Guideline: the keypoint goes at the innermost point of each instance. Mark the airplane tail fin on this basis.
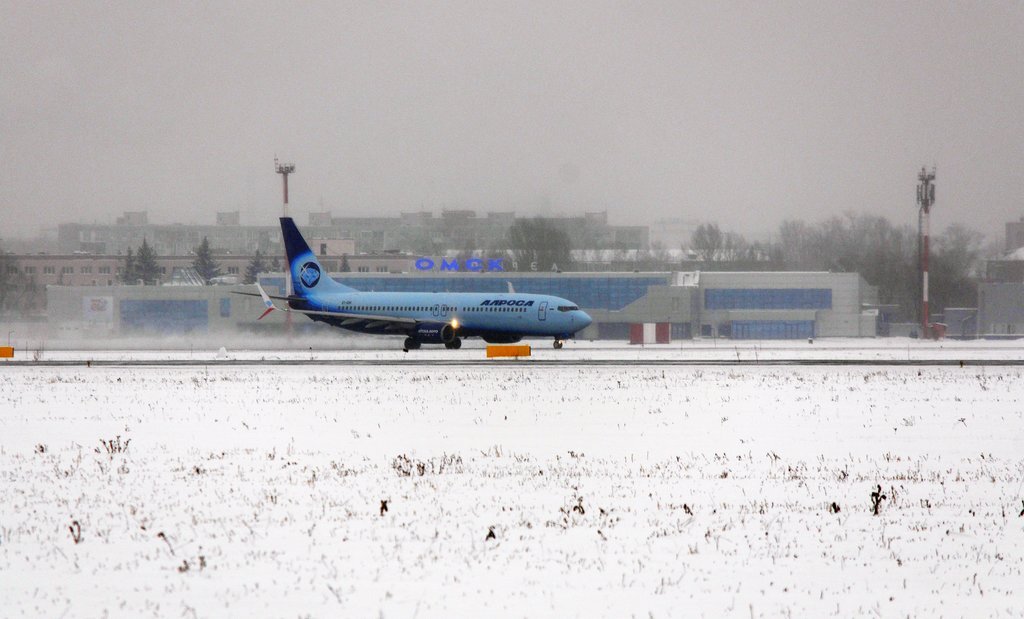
(308, 275)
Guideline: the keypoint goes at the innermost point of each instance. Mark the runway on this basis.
(506, 363)
(378, 352)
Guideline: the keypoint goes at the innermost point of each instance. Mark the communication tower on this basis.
(925, 200)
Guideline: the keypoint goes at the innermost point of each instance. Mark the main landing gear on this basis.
(558, 344)
(412, 343)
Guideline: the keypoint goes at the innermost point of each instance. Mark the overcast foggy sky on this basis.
(743, 113)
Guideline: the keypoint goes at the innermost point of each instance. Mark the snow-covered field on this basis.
(511, 490)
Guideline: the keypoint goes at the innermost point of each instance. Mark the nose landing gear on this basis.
(558, 344)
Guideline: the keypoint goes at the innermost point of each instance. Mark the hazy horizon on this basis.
(745, 113)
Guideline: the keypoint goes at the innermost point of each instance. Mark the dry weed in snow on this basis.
(577, 491)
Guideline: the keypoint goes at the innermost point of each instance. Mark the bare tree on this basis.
(886, 256)
(708, 242)
(955, 267)
(539, 244)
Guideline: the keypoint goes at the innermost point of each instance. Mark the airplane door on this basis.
(542, 311)
(436, 311)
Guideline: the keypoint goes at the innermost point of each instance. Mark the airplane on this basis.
(423, 317)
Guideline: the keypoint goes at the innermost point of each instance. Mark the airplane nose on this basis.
(584, 319)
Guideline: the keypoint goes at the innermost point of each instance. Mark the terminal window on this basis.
(771, 329)
(767, 298)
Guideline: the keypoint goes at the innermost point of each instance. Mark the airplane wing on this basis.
(271, 296)
(347, 317)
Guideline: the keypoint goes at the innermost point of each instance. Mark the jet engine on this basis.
(433, 333)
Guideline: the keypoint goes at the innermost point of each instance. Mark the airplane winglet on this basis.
(266, 301)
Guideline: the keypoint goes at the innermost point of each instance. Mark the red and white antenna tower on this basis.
(925, 200)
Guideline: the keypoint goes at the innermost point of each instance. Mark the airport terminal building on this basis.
(735, 305)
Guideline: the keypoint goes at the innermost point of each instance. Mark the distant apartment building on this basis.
(1001, 296)
(1009, 268)
(133, 218)
(229, 218)
(673, 232)
(423, 233)
(1014, 235)
(418, 232)
(93, 270)
(167, 239)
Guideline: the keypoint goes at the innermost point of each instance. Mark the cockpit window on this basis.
(568, 308)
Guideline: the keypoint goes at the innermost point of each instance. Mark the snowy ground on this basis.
(612, 491)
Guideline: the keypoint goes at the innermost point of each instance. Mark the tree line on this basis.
(141, 266)
(885, 255)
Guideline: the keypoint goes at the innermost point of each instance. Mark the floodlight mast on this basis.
(284, 169)
(925, 200)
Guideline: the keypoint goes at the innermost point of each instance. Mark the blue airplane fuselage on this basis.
(473, 314)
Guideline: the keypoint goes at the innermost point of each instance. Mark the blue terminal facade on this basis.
(767, 298)
(760, 305)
